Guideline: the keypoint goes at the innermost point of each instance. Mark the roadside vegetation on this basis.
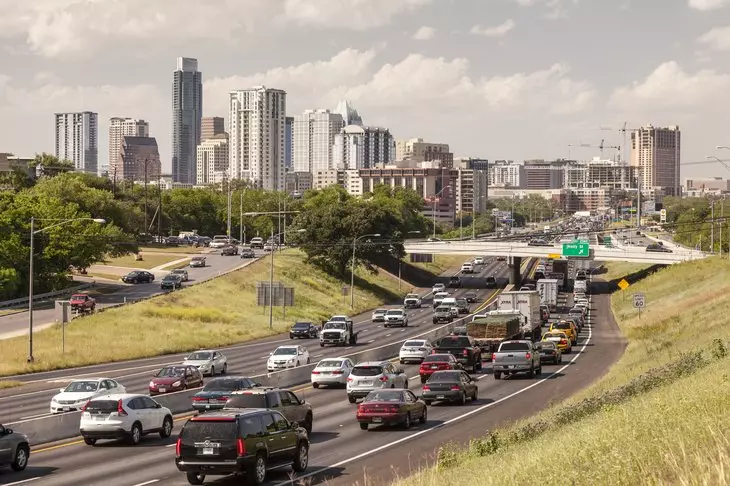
(149, 260)
(661, 415)
(441, 263)
(216, 313)
(5, 384)
(617, 270)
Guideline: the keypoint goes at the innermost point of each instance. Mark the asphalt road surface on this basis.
(341, 453)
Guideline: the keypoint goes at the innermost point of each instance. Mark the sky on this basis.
(496, 79)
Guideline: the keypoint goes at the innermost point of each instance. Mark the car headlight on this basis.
(291, 361)
(204, 366)
(176, 384)
(152, 384)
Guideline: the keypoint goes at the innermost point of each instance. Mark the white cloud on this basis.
(424, 33)
(496, 31)
(705, 5)
(717, 39)
(557, 8)
(349, 14)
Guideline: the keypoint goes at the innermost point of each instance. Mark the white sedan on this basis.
(414, 350)
(332, 372)
(285, 357)
(78, 392)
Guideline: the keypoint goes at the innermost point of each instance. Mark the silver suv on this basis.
(373, 375)
(396, 317)
(14, 449)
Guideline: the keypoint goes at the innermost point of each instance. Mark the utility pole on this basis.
(638, 194)
(271, 284)
(228, 181)
(240, 219)
(712, 228)
(722, 220)
(145, 196)
(159, 204)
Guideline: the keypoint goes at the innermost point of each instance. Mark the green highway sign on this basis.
(576, 249)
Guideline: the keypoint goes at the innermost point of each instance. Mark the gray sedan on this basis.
(451, 386)
(14, 449)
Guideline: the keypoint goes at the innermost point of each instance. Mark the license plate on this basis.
(66, 409)
(208, 451)
(97, 418)
(162, 390)
(511, 366)
(434, 367)
(439, 397)
(377, 420)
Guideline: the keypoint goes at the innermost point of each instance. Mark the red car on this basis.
(391, 407)
(175, 378)
(437, 362)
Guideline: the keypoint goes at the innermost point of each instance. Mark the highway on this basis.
(341, 453)
(17, 324)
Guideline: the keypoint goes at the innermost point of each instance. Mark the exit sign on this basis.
(576, 249)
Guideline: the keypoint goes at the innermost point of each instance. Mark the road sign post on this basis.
(577, 248)
(639, 303)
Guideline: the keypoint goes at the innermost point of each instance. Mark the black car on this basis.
(216, 393)
(283, 401)
(304, 330)
(229, 250)
(171, 282)
(455, 282)
(451, 386)
(248, 253)
(491, 282)
(538, 242)
(658, 247)
(470, 297)
(138, 276)
(248, 442)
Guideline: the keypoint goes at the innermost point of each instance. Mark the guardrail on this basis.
(26, 300)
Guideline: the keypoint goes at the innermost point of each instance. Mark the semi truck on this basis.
(559, 272)
(548, 291)
(527, 303)
(493, 328)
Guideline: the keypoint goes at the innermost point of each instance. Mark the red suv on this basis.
(437, 362)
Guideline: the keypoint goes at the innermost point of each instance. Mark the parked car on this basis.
(391, 407)
(304, 330)
(175, 378)
(75, 395)
(414, 350)
(124, 416)
(171, 282)
(14, 449)
(138, 276)
(332, 372)
(182, 273)
(284, 401)
(248, 253)
(452, 386)
(208, 362)
(197, 262)
(373, 375)
(216, 392)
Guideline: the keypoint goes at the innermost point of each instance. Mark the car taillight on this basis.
(455, 388)
(426, 388)
(392, 409)
(383, 379)
(465, 352)
(120, 409)
(178, 446)
(240, 447)
(200, 399)
(528, 356)
(223, 398)
(314, 372)
(563, 341)
(349, 378)
(83, 409)
(338, 372)
(433, 351)
(494, 356)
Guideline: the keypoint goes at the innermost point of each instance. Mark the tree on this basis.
(51, 166)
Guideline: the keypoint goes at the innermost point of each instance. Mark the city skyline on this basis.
(466, 76)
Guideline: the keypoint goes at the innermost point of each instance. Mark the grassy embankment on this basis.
(149, 260)
(4, 384)
(617, 270)
(442, 263)
(660, 416)
(214, 313)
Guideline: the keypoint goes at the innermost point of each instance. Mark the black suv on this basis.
(248, 441)
(304, 330)
(491, 282)
(283, 401)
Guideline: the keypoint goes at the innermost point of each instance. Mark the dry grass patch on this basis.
(173, 249)
(616, 270)
(108, 276)
(150, 260)
(216, 313)
(175, 266)
(441, 263)
(9, 384)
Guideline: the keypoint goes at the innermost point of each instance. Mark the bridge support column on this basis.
(515, 275)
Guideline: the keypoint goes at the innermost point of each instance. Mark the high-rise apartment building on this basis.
(506, 174)
(656, 153)
(314, 140)
(539, 174)
(257, 124)
(289, 143)
(210, 126)
(349, 114)
(212, 160)
(120, 128)
(187, 113)
(77, 140)
(359, 147)
(417, 150)
(138, 160)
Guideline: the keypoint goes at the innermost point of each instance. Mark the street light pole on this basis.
(352, 274)
(271, 283)
(433, 212)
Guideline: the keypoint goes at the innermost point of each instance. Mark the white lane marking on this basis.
(317, 355)
(371, 341)
(447, 422)
(387, 335)
(37, 416)
(151, 481)
(23, 481)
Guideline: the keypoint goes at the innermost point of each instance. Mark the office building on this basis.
(120, 128)
(187, 114)
(314, 135)
(289, 143)
(298, 182)
(349, 179)
(210, 126)
(471, 191)
(212, 160)
(257, 124)
(539, 174)
(349, 115)
(359, 147)
(138, 160)
(655, 152)
(77, 140)
(417, 150)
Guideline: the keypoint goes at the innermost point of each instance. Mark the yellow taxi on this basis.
(561, 340)
(568, 328)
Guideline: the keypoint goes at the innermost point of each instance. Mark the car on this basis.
(379, 315)
(82, 303)
(242, 442)
(285, 357)
(391, 407)
(452, 386)
(208, 362)
(171, 282)
(658, 247)
(217, 391)
(74, 396)
(256, 242)
(437, 362)
(467, 267)
(568, 328)
(539, 242)
(332, 372)
(412, 301)
(396, 317)
(285, 401)
(501, 258)
(441, 314)
(344, 319)
(14, 449)
(230, 250)
(439, 287)
(560, 339)
(304, 330)
(550, 353)
(198, 262)
(248, 253)
(372, 375)
(455, 282)
(182, 273)
(414, 350)
(471, 297)
(138, 276)
(175, 378)
(491, 282)
(269, 247)
(125, 416)
(439, 297)
(462, 306)
(479, 261)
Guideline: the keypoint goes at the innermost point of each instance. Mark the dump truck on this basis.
(527, 303)
(548, 290)
(497, 326)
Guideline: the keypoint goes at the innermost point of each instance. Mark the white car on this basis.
(208, 362)
(414, 350)
(467, 268)
(126, 416)
(332, 372)
(285, 357)
(396, 317)
(479, 261)
(78, 392)
(439, 287)
(439, 297)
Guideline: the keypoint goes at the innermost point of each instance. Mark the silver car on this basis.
(374, 375)
(180, 272)
(14, 449)
(208, 362)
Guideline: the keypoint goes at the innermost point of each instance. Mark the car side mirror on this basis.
(271, 353)
(8, 431)
(295, 425)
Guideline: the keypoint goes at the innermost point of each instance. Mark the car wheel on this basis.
(479, 363)
(315, 385)
(195, 478)
(424, 416)
(307, 360)
(531, 373)
(166, 430)
(405, 385)
(402, 361)
(497, 375)
(308, 421)
(212, 371)
(257, 474)
(539, 370)
(475, 396)
(427, 402)
(351, 399)
(321, 345)
(20, 461)
(302, 458)
(462, 398)
(363, 426)
(407, 422)
(89, 441)
(135, 435)
(225, 369)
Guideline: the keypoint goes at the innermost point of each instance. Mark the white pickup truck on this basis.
(396, 317)
(412, 301)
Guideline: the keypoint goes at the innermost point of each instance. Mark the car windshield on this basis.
(437, 358)
(82, 386)
(367, 371)
(285, 351)
(380, 311)
(301, 325)
(78, 297)
(224, 384)
(561, 325)
(394, 312)
(445, 376)
(335, 325)
(170, 277)
(330, 363)
(178, 272)
(170, 372)
(441, 310)
(394, 396)
(200, 355)
(411, 296)
(414, 344)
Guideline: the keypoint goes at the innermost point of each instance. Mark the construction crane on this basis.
(600, 147)
(622, 131)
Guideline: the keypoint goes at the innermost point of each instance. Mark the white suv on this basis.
(124, 416)
(374, 375)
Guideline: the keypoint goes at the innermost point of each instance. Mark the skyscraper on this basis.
(348, 113)
(358, 147)
(314, 138)
(211, 126)
(187, 112)
(257, 123)
(119, 128)
(77, 140)
(289, 142)
(212, 160)
(656, 154)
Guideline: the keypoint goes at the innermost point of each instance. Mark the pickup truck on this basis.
(442, 314)
(396, 317)
(338, 333)
(518, 356)
(412, 301)
(82, 303)
(464, 349)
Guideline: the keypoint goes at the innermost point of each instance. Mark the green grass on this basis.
(4, 384)
(621, 269)
(108, 276)
(150, 260)
(659, 416)
(441, 263)
(7, 312)
(216, 313)
(175, 266)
